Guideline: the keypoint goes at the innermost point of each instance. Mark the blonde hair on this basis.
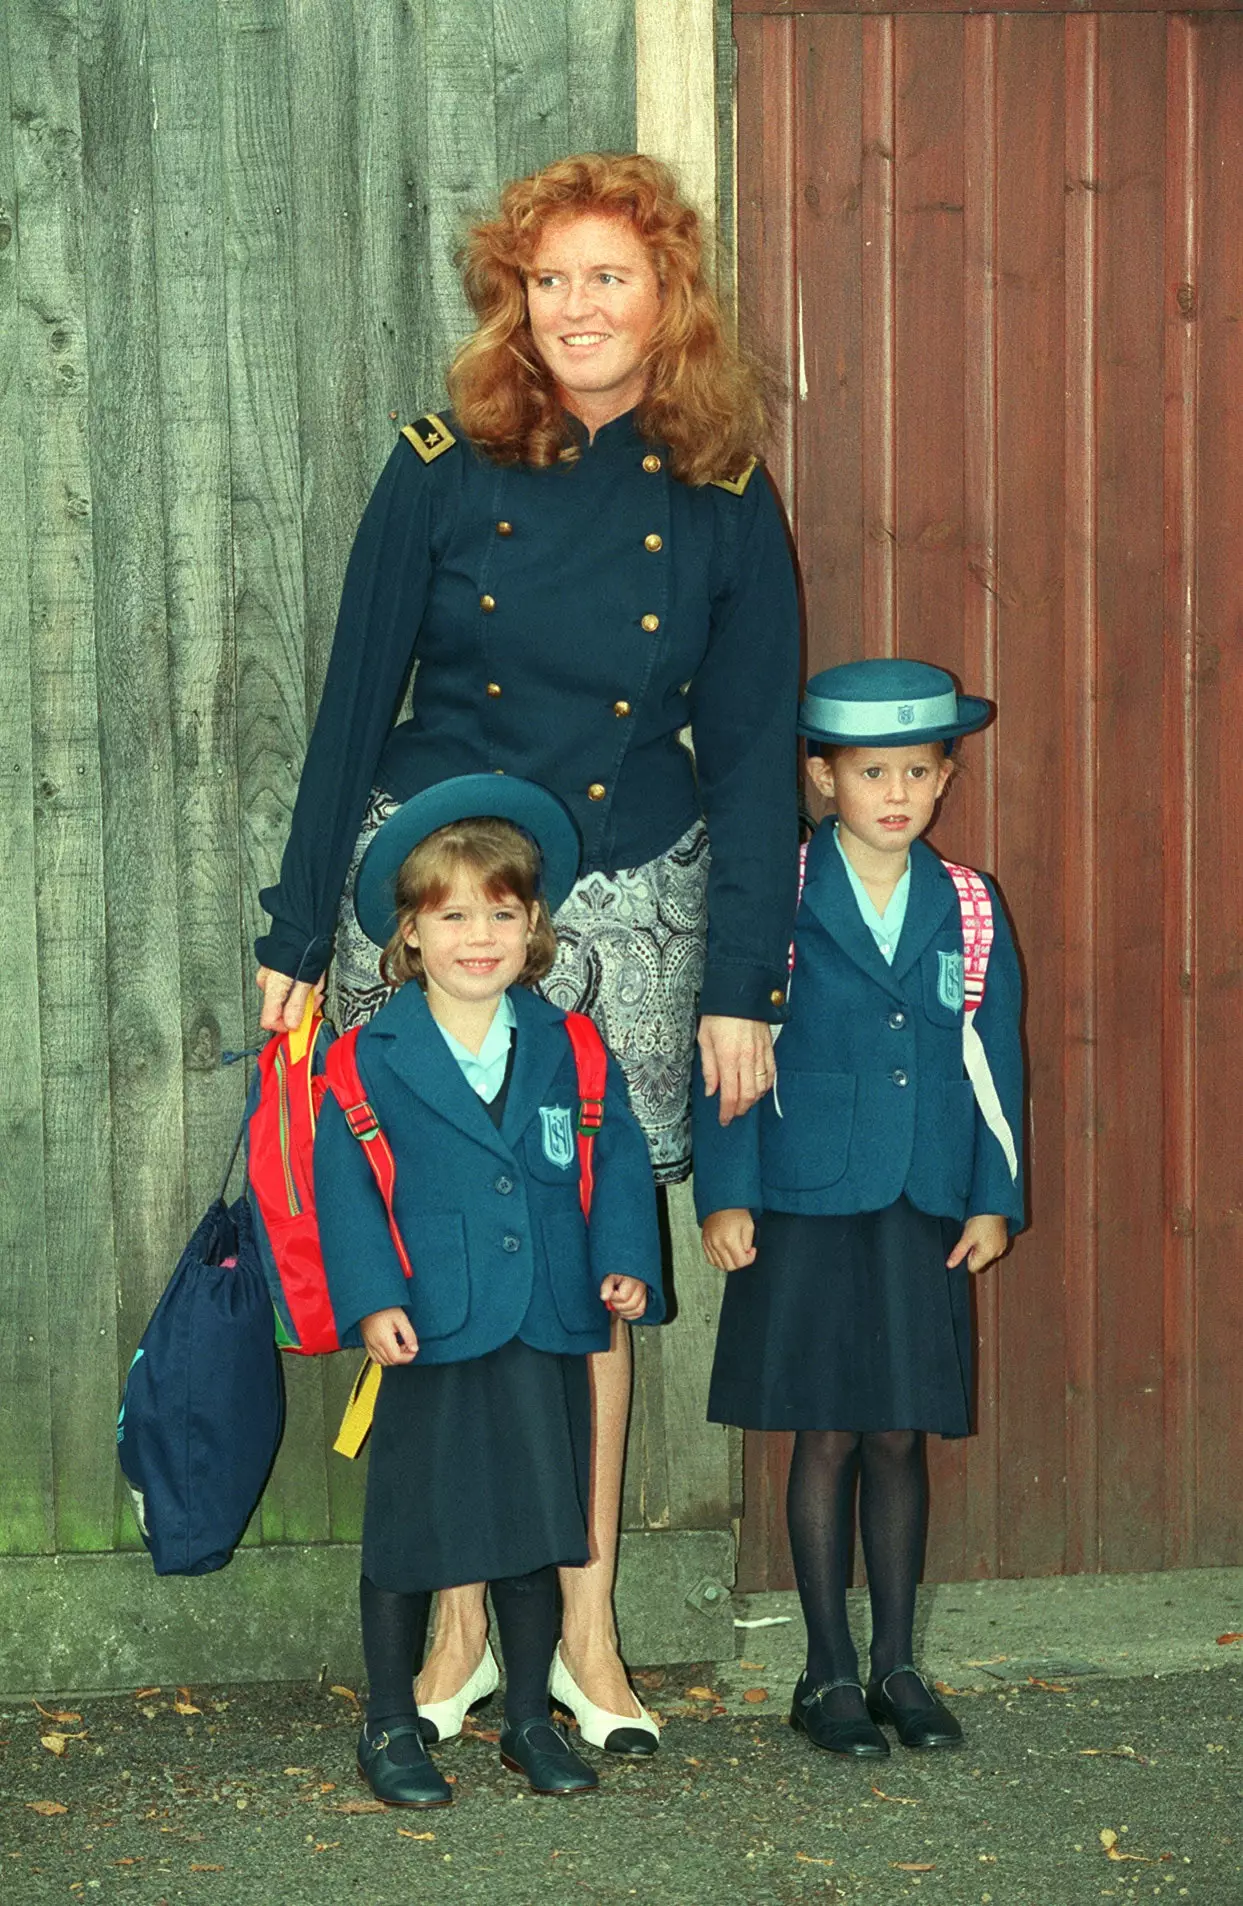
(704, 399)
(505, 862)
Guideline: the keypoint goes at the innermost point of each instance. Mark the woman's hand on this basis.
(625, 1296)
(389, 1337)
(284, 999)
(984, 1239)
(737, 1057)
(729, 1239)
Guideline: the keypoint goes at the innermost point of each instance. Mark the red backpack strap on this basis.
(345, 1083)
(976, 912)
(591, 1064)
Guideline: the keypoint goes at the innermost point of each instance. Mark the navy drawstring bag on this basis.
(204, 1405)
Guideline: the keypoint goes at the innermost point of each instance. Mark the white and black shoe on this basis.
(632, 1734)
(441, 1721)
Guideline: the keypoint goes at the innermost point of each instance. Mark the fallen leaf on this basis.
(129, 1862)
(325, 1846)
(913, 1866)
(407, 1835)
(55, 1743)
(358, 1806)
(198, 1867)
(895, 1799)
(650, 1677)
(347, 1694)
(809, 1859)
(758, 1666)
(183, 1704)
(755, 1694)
(299, 1770)
(702, 1694)
(144, 1694)
(1054, 1687)
(1109, 1840)
(46, 1807)
(1223, 1641)
(57, 1714)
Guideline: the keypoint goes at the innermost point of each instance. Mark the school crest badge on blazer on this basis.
(950, 981)
(557, 1131)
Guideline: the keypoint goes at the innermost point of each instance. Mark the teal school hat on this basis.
(466, 797)
(887, 703)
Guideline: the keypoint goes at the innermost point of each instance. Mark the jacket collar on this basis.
(828, 894)
(542, 1046)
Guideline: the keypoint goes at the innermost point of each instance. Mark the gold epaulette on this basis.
(429, 437)
(736, 484)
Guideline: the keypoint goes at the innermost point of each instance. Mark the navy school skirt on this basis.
(478, 1469)
(847, 1323)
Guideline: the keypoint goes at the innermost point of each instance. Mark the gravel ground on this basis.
(1074, 1791)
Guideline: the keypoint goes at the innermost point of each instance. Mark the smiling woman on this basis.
(583, 558)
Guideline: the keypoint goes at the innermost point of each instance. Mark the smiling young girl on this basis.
(852, 1203)
(481, 1444)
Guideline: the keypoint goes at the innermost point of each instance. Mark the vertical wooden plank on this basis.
(532, 85)
(216, 998)
(1179, 817)
(928, 328)
(698, 1451)
(1079, 827)
(601, 41)
(828, 309)
(1129, 886)
(878, 340)
(268, 569)
(140, 862)
(461, 153)
(766, 309)
(26, 1491)
(1218, 972)
(675, 93)
(69, 872)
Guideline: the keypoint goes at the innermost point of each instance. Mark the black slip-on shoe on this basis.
(539, 1749)
(411, 1781)
(856, 1736)
(923, 1722)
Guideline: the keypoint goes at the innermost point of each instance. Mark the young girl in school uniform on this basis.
(851, 1204)
(481, 1444)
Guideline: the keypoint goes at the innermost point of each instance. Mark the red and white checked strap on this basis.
(977, 931)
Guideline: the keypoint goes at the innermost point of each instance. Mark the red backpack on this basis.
(294, 1071)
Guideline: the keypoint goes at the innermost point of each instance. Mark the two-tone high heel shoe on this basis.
(631, 1734)
(441, 1721)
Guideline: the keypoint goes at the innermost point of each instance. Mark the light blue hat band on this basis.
(878, 718)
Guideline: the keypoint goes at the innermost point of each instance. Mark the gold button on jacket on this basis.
(596, 791)
(653, 542)
(494, 689)
(651, 623)
(651, 465)
(504, 529)
(487, 604)
(777, 996)
(621, 708)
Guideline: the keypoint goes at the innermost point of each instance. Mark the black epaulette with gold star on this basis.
(429, 437)
(736, 484)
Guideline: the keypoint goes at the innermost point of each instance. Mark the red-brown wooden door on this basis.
(998, 258)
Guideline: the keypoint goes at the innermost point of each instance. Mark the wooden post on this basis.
(675, 94)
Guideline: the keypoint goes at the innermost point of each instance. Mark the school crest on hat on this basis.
(887, 702)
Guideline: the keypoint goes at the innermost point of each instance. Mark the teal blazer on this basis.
(871, 1099)
(491, 1218)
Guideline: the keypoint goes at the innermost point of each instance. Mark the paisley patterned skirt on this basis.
(630, 952)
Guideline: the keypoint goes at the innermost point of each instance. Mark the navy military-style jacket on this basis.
(871, 1099)
(491, 1218)
(566, 624)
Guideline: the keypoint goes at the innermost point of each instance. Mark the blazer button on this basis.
(494, 689)
(597, 791)
(898, 1077)
(649, 622)
(503, 1184)
(510, 1243)
(621, 709)
(653, 542)
(897, 1021)
(504, 529)
(777, 997)
(651, 464)
(487, 604)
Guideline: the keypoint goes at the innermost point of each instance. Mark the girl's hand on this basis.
(389, 1337)
(984, 1239)
(284, 999)
(737, 1057)
(625, 1296)
(729, 1239)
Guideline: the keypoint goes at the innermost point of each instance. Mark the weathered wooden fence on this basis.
(226, 239)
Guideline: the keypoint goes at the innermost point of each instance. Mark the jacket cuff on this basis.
(744, 992)
(285, 951)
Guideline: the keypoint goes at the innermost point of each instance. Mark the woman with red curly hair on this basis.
(579, 561)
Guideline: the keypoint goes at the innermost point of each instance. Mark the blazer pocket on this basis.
(550, 1146)
(440, 1293)
(955, 1130)
(574, 1292)
(805, 1146)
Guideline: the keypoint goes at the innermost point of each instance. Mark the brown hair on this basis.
(504, 861)
(704, 400)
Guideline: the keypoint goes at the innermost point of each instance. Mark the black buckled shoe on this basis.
(539, 1749)
(922, 1720)
(854, 1734)
(404, 1779)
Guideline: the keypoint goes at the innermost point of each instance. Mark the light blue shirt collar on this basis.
(484, 1071)
(885, 928)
